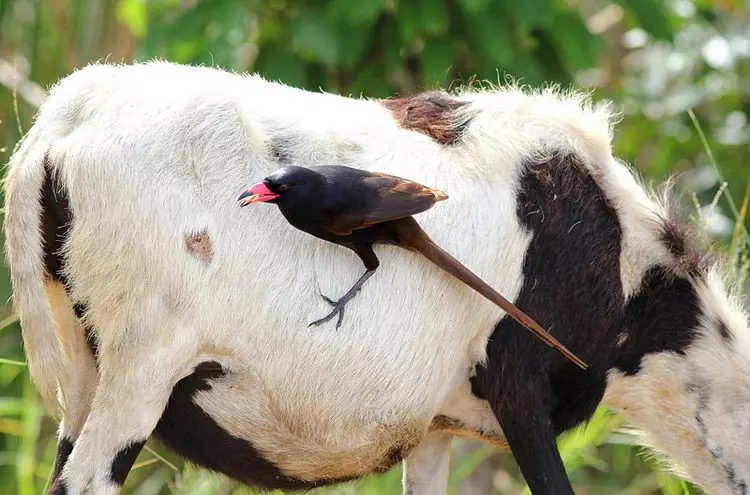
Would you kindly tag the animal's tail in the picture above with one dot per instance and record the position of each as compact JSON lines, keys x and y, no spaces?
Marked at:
{"x":427,"y":248}
{"x":28,"y":174}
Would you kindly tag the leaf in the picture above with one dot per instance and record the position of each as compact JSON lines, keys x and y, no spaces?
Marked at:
{"x":155,"y":43}
{"x":314,"y":37}
{"x":362,"y":12}
{"x":371,"y":83}
{"x":134,"y":15}
{"x":358,"y":39}
{"x":191,"y":25}
{"x":663,"y":158}
{"x":437,"y":58}
{"x":224,"y":34}
{"x":527,"y":70}
{"x":408,"y":19}
{"x":434,"y":17}
{"x":548,"y":56}
{"x":533,"y":13}
{"x":474,"y":6}
{"x":578,"y":46}
{"x":652,"y":16}
{"x":185,"y":51}
{"x":393,"y":44}
{"x":491,"y":35}
{"x":278,"y":64}
{"x":422,"y":16}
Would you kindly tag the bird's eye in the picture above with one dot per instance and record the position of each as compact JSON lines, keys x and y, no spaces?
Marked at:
{"x":283,"y":187}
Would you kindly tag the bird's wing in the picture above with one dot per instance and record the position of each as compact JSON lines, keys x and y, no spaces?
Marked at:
{"x":391,"y":198}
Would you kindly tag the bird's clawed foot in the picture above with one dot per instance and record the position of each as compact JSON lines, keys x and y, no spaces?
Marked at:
{"x":338,"y":308}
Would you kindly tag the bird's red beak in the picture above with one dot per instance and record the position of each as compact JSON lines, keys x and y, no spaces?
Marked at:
{"x":259,"y":193}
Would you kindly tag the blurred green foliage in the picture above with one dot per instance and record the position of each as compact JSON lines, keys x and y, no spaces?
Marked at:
{"x":656,"y":59}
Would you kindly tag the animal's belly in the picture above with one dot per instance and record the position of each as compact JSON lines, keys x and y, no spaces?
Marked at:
{"x":249,"y":443}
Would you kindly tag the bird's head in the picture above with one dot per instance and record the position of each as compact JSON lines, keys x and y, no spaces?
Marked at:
{"x":282,"y":186}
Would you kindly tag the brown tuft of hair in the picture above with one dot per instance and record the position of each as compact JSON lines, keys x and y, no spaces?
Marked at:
{"x":433,"y":113}
{"x":680,"y":240}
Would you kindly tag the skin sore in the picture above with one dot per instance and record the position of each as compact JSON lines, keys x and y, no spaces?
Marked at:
{"x":199,"y":245}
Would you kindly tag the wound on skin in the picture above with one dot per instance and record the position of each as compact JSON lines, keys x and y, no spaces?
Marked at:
{"x":199,"y":245}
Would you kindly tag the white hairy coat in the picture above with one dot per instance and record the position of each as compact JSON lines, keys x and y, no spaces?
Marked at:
{"x":153,"y":153}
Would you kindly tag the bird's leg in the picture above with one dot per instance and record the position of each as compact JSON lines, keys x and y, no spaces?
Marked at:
{"x":338,"y":306}
{"x":367,"y":255}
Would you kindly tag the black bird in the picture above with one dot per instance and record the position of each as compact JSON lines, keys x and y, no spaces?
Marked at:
{"x":356,"y":209}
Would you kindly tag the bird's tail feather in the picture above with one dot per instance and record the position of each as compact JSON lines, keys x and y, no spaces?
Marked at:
{"x":427,"y":248}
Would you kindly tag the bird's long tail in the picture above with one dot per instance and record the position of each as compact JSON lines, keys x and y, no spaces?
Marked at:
{"x":427,"y":248}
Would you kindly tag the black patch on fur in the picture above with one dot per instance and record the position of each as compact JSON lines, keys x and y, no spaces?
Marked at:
{"x":724,"y":330}
{"x":662,"y":316}
{"x":55,"y":222}
{"x":91,"y":341}
{"x":393,"y":456}
{"x":57,"y":485}
{"x":123,"y":461}
{"x":80,"y":310}
{"x":572,"y":287}
{"x":56,"y":218}
{"x":188,"y":430}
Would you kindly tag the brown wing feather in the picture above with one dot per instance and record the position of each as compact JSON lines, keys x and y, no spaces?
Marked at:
{"x":396,"y":198}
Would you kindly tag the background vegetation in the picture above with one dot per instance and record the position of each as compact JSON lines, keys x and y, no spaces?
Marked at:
{"x":656,"y":59}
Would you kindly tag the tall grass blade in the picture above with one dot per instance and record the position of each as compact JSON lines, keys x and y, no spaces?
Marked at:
{"x":32,"y":417}
{"x":712,"y":159}
{"x":735,"y":247}
{"x":11,"y":361}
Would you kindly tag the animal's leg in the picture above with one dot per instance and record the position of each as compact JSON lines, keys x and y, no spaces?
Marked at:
{"x":426,"y":468}
{"x":367,"y":255}
{"x":77,"y":387}
{"x":524,"y":415}
{"x":64,"y":448}
{"x":78,"y":403}
{"x":136,"y":377}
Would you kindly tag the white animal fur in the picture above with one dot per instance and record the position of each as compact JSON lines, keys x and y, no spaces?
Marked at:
{"x":153,"y":152}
